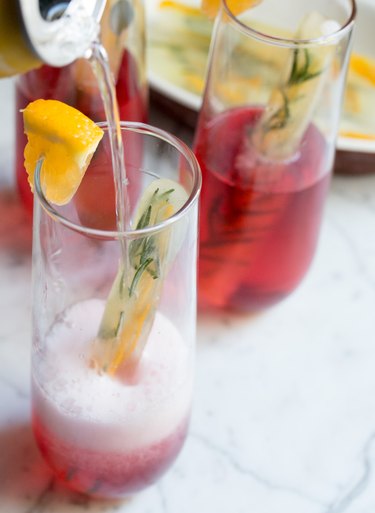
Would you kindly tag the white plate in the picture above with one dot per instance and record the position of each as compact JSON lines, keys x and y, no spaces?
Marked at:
{"x":363,"y":44}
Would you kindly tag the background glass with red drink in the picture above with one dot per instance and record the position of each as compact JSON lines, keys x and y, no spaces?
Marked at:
{"x":266,"y":142}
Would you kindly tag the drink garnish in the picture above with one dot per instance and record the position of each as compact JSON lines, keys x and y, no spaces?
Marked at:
{"x":134,"y":297}
{"x":291,"y":105}
{"x":66,"y":140}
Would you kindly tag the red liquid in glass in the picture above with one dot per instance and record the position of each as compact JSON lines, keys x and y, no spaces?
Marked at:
{"x":108,"y":474}
{"x":60,"y":84}
{"x":259,"y":220}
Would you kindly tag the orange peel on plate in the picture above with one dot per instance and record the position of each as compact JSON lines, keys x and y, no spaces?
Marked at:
{"x":211,"y":7}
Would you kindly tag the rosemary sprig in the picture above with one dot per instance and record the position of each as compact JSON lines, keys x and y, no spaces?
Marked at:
{"x":301,"y":73}
{"x":165,"y":194}
{"x":143,"y":254}
{"x":293,"y":102}
{"x":280,"y":118}
{"x":119,"y":325}
{"x":138,"y":273}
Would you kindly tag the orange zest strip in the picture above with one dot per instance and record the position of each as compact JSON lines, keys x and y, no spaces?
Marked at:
{"x":357,"y":135}
{"x":132,"y":331}
{"x":211,"y":7}
{"x":185,"y":9}
{"x":129,"y":337}
{"x":363,"y":66}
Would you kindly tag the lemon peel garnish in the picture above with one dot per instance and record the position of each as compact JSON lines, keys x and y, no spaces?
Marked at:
{"x":65,"y":139}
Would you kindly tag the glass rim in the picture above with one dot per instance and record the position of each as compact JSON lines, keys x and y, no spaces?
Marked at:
{"x":145,"y":129}
{"x":294,"y":43}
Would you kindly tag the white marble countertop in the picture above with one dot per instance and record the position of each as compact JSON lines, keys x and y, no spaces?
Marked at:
{"x":284,"y":413}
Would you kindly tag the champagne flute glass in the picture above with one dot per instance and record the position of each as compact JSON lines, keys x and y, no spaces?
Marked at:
{"x":265,"y":141}
{"x":110,"y":434}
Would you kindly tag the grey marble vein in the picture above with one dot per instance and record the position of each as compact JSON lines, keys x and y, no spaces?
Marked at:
{"x":356,"y":488}
{"x":361,"y":260}
{"x":20,"y":392}
{"x":253,"y":474}
{"x":163,"y":498}
{"x":357,"y":191}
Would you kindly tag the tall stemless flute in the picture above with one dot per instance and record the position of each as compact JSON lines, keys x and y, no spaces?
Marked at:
{"x":265,"y":141}
{"x":112,"y":434}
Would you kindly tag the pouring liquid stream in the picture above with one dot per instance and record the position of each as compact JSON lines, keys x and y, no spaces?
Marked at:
{"x":100,"y":65}
{"x":99,"y":62}
{"x":110,"y":342}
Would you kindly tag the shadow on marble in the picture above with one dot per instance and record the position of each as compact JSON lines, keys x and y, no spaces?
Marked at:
{"x":215,"y":329}
{"x":23,"y":473}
